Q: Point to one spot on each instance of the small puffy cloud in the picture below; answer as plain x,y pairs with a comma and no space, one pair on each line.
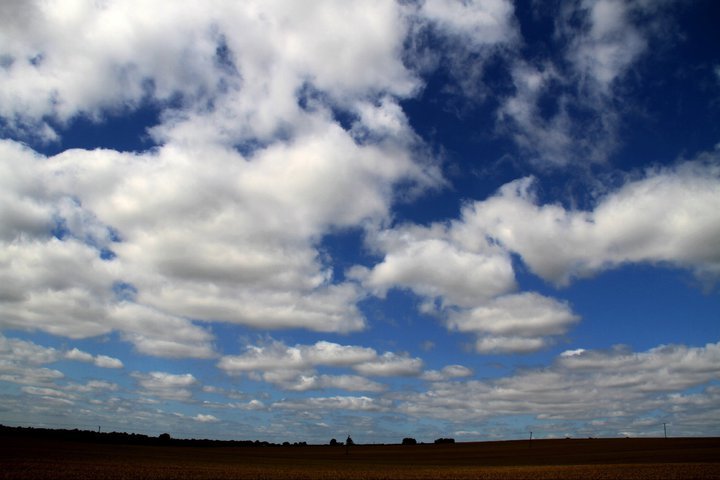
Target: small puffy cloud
48,392
205,418
102,361
446,373
278,356
293,368
438,267
391,365
21,360
514,323
107,362
301,382
26,352
78,355
167,386
93,386
360,404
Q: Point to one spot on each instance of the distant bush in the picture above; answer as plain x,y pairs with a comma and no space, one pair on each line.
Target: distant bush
164,437
409,441
445,440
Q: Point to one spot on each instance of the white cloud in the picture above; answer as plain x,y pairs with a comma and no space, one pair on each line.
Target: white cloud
514,323
78,355
609,44
359,404
108,362
205,418
195,229
301,382
391,365
434,264
48,392
278,356
293,368
21,360
566,111
478,22
93,386
167,386
549,140
466,278
446,373
669,216
617,385
90,58
102,361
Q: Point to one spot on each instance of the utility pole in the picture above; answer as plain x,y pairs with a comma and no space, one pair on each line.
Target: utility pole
665,429
530,441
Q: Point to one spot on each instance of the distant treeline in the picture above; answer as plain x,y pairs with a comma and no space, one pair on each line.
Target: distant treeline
129,438
162,439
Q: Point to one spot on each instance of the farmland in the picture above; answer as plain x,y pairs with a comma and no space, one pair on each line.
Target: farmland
684,458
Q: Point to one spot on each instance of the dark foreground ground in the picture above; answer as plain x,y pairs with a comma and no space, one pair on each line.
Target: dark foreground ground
681,458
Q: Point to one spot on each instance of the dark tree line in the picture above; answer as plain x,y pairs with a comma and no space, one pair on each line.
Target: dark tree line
129,438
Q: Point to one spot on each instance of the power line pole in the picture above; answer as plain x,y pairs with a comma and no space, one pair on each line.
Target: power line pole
665,429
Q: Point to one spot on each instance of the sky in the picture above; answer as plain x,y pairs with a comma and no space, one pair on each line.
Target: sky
294,221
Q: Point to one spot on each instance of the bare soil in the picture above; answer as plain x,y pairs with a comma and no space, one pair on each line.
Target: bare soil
681,458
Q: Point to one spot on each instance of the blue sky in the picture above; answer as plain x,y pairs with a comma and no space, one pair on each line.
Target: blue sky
262,220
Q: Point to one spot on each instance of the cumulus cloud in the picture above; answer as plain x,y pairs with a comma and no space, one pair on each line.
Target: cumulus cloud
359,404
446,373
222,221
21,362
293,368
514,323
205,418
93,386
466,278
167,386
390,364
463,268
616,384
668,216
437,262
102,361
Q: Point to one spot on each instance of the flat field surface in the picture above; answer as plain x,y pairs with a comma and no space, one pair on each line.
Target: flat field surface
681,458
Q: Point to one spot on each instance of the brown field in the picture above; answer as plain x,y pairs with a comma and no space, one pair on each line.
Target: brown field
682,458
